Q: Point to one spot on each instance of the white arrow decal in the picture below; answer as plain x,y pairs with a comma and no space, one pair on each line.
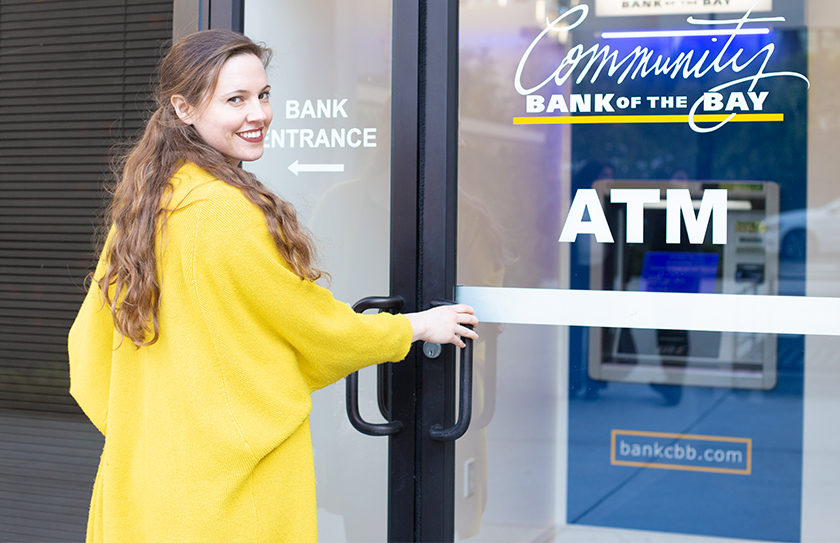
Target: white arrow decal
296,167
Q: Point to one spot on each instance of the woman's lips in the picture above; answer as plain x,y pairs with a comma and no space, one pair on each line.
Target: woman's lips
252,136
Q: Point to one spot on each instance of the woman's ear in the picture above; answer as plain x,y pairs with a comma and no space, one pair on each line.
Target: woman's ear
183,109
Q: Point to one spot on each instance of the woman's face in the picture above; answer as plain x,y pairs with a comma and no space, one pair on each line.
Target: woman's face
235,119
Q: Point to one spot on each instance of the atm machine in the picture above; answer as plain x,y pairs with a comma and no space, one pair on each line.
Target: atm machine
747,264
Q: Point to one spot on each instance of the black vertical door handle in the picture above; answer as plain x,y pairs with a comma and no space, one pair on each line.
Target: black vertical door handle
383,303
437,431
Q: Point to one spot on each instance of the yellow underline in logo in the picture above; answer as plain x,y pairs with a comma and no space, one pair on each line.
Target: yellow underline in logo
631,119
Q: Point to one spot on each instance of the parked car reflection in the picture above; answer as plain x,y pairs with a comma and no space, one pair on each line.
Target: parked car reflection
812,230
807,241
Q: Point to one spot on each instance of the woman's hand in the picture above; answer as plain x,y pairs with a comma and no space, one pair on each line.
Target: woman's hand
444,324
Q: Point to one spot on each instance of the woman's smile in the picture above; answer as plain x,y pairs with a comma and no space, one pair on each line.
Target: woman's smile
252,136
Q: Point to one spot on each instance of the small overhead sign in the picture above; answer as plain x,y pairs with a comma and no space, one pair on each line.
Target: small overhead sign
612,8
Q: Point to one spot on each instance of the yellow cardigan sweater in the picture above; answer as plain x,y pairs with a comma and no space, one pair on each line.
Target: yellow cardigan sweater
207,430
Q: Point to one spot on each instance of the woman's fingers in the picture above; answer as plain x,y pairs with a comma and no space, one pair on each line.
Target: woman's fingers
464,321
466,318
464,314
444,324
463,331
461,308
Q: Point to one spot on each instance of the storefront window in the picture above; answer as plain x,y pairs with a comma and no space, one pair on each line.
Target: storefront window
645,216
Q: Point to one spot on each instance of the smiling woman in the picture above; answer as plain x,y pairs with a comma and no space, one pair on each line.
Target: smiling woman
210,83
203,332
235,120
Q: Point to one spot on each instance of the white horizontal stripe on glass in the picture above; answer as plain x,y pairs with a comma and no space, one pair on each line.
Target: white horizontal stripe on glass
666,310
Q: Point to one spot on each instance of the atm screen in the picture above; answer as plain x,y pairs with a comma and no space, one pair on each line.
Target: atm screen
676,271
656,266
679,272
744,265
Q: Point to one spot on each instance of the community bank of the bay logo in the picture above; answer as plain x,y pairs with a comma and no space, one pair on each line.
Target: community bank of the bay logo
740,98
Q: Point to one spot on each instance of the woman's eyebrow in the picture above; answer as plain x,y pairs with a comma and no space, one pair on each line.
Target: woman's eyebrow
244,91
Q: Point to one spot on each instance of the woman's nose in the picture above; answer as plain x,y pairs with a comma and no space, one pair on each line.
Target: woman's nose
257,111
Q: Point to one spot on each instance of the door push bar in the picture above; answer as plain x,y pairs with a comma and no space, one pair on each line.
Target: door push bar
383,303
437,431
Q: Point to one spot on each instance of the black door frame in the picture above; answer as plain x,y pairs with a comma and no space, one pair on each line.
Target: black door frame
405,137
437,200
424,158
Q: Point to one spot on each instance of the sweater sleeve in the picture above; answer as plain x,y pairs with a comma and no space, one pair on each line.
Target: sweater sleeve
90,348
235,260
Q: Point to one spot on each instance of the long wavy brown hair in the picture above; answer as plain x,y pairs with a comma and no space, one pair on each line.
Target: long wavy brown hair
139,208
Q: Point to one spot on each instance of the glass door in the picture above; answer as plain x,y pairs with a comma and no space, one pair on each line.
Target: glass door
364,144
328,151
643,200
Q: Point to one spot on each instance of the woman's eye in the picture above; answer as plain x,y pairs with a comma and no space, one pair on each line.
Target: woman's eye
235,99
265,95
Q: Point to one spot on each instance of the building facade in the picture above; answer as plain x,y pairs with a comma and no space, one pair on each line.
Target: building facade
637,196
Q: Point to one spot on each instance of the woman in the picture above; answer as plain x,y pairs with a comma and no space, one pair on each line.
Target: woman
203,332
